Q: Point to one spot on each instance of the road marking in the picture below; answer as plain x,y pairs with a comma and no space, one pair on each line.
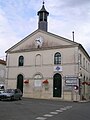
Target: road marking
41,118
54,113
63,108
68,107
59,111
48,115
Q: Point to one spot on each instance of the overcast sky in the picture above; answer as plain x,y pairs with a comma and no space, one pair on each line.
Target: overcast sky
18,18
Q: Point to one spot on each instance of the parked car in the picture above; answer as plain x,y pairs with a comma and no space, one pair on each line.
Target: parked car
2,88
1,91
11,94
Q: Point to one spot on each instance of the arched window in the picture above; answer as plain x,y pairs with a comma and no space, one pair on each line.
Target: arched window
21,61
57,58
38,60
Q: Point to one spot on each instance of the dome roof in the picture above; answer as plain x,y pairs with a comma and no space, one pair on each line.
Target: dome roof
43,9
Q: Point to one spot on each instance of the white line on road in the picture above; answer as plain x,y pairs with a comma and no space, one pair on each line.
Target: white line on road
63,108
41,118
54,113
68,107
59,111
47,115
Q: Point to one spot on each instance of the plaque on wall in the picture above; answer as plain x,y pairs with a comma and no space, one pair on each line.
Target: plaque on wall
57,68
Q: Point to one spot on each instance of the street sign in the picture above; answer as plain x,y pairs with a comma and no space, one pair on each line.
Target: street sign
71,80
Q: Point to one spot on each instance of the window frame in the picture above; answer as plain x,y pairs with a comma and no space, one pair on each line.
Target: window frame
57,58
21,61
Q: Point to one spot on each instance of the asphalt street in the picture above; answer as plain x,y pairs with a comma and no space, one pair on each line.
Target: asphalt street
35,109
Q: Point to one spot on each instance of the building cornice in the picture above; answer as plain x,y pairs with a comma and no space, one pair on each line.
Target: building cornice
84,51
44,48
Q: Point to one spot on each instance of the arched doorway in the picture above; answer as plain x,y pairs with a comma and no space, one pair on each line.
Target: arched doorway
57,85
20,82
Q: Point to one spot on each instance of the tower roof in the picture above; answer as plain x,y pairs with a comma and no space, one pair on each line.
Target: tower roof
42,10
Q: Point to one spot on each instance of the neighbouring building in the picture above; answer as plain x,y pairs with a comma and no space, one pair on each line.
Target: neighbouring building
47,66
2,72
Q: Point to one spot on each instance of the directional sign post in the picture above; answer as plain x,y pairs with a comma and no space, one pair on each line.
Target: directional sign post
73,83
71,80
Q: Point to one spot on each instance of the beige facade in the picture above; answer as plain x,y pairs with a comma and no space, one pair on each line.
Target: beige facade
46,66
2,71
50,69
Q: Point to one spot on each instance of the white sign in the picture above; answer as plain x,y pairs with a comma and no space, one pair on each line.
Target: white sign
57,68
71,80
37,83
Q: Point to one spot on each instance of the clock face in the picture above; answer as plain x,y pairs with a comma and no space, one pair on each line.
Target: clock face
39,42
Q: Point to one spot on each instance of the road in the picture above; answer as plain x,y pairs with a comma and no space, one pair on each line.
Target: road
35,109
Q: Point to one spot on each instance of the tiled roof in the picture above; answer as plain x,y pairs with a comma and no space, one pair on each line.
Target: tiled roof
2,62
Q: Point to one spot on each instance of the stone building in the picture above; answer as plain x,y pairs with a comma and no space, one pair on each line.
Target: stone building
2,72
47,66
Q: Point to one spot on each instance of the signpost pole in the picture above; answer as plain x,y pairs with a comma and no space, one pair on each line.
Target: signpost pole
72,94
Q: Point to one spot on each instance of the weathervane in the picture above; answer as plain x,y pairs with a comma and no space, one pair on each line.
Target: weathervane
43,2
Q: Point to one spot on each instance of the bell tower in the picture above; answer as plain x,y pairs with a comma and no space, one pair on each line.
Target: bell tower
42,23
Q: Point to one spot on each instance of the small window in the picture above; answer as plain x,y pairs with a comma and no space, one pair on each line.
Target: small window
84,62
57,58
21,61
41,16
80,59
45,17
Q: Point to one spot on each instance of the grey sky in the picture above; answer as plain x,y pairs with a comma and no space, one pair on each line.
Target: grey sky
18,18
